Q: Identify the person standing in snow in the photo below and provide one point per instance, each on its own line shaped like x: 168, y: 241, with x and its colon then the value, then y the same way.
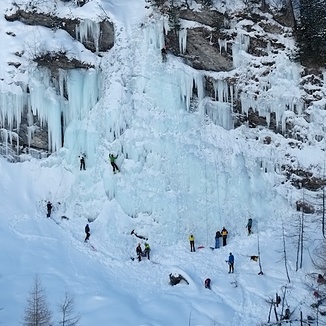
x: 249, y: 225
x: 164, y: 54
x: 88, y: 232
x: 217, y: 239
x: 49, y: 208
x: 82, y: 162
x: 147, y: 250
x: 113, y: 164
x: 139, y: 252
x: 192, y: 243
x: 224, y: 235
x: 230, y: 261
x: 208, y: 283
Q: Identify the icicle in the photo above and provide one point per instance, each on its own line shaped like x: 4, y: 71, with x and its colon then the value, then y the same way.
x: 222, y: 44
x: 240, y: 44
x: 219, y: 112
x: 183, y: 40
x: 231, y: 95
x: 198, y: 79
x: 88, y: 29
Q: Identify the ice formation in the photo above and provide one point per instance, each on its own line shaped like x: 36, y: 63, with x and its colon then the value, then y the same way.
x: 89, y: 30
x: 71, y: 96
x: 157, y: 118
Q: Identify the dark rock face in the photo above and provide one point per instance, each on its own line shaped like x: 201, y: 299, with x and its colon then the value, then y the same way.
x: 59, y: 60
x: 210, y: 18
x: 106, y: 40
x: 202, y: 50
x: 305, y: 207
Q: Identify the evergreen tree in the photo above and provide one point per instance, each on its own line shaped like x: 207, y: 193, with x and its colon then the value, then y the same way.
x: 37, y: 312
x: 311, y: 33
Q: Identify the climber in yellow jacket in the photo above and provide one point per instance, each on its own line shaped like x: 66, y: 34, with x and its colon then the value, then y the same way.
x: 192, y: 243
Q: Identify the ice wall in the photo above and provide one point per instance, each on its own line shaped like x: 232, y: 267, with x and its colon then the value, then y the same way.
x: 180, y: 172
x: 12, y: 101
x: 52, y: 103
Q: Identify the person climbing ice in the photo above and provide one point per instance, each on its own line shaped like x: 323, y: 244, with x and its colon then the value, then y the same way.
x: 113, y: 164
x: 249, y: 225
x: 88, y: 232
x: 82, y: 162
x: 208, y: 283
x: 49, y: 208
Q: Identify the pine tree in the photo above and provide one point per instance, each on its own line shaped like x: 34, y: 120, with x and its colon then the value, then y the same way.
x: 37, y: 312
x: 311, y: 33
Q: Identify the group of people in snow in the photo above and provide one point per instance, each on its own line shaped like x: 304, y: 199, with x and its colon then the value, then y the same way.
x: 223, y: 234
x: 112, y: 158
x: 146, y: 252
x: 143, y: 253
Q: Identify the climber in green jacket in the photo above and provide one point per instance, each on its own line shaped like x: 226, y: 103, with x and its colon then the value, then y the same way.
x: 147, y: 250
x: 113, y: 164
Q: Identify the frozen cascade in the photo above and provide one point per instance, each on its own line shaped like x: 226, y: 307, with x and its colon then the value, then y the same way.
x: 219, y: 112
x: 187, y: 163
x: 47, y: 100
x: 12, y: 102
x: 7, y: 138
x: 46, y: 105
x: 190, y: 79
x: 240, y: 45
x: 274, y: 96
x: 177, y: 167
x: 221, y: 90
x: 88, y: 29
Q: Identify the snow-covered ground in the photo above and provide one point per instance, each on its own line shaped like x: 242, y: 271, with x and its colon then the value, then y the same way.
x: 180, y: 174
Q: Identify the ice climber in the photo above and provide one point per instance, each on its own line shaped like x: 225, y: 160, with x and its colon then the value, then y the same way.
x: 164, y: 54
x: 192, y: 243
x: 147, y: 250
x: 137, y: 235
x: 88, y: 232
x: 249, y: 225
x: 230, y: 261
x: 217, y: 239
x: 82, y: 162
x: 208, y: 283
x: 224, y: 235
x: 139, y: 252
x: 49, y: 208
x: 113, y: 164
